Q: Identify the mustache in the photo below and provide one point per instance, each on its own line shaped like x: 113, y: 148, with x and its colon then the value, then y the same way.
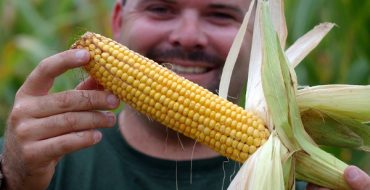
x: 179, y: 53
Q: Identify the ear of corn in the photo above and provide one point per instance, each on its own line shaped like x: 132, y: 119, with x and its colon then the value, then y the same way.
x: 173, y: 100
x: 179, y: 104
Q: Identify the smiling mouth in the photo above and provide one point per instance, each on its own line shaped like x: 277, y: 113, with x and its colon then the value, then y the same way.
x: 186, y: 69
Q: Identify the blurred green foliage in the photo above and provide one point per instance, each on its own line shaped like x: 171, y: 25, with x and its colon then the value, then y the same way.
x: 342, y: 57
x: 34, y: 29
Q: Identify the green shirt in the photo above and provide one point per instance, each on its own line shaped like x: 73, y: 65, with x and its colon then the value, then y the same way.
x: 113, y: 164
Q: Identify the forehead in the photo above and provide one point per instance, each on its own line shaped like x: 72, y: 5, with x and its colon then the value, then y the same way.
x: 241, y: 4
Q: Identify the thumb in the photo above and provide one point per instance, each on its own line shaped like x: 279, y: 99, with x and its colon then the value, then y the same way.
x: 356, y: 178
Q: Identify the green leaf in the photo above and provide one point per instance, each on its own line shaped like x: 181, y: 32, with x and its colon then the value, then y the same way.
x: 351, y: 101
x: 336, y: 131
x: 273, y: 83
x: 331, y: 129
x: 280, y: 95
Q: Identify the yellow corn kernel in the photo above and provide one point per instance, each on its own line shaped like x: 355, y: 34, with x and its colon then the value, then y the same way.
x: 173, y: 100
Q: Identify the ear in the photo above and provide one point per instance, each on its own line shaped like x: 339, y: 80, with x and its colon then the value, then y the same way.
x: 117, y: 20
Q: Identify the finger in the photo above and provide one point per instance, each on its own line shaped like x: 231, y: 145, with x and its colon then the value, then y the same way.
x: 42, y: 77
x: 71, y: 101
x: 89, y: 84
x: 56, y: 125
x: 56, y: 147
x: 356, y: 178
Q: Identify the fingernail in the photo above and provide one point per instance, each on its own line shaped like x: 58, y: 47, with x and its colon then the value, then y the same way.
x: 82, y: 55
x: 112, y: 100
x: 352, y: 174
x: 97, y: 136
x: 111, y: 117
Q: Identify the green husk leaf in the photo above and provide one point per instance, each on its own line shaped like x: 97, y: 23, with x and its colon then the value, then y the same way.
x: 264, y: 169
x: 348, y: 100
x: 337, y: 130
x: 280, y: 95
x: 358, y: 128
x: 274, y: 87
x: 288, y: 171
x: 320, y: 170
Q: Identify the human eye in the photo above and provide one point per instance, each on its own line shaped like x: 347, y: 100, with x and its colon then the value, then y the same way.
x: 220, y: 17
x: 160, y: 11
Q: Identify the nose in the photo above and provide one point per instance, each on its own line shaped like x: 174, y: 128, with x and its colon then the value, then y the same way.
x: 188, y: 33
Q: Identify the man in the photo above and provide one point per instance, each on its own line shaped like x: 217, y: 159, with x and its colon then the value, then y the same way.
x: 47, y: 129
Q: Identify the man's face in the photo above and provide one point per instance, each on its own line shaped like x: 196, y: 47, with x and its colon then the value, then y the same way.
x: 194, y: 36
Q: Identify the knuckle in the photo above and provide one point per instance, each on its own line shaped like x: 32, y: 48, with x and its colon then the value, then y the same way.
x: 16, y: 114
x: 13, y: 119
x: 22, y: 131
x: 90, y: 138
x: 63, y: 147
x: 97, y: 120
x: 64, y: 100
x: 18, y: 108
x: 19, y: 93
x: 90, y: 99
x: 86, y: 138
x: 59, y: 57
x: 70, y: 120
x: 43, y: 66
x: 79, y: 140
x: 87, y: 99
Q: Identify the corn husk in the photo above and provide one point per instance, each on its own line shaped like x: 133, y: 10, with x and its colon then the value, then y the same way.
x: 336, y: 130
x: 268, y: 161
x: 347, y: 100
x: 305, y: 44
x: 233, y: 54
x: 336, y: 115
x: 289, y: 113
x: 280, y: 95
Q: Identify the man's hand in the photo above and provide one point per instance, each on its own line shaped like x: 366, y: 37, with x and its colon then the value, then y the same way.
x: 42, y: 127
x: 356, y: 179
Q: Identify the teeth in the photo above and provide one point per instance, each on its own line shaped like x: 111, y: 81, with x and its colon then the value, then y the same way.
x: 185, y: 70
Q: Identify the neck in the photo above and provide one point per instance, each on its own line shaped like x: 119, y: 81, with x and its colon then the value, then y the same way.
x: 156, y: 140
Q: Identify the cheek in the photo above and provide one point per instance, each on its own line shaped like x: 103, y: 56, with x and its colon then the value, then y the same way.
x: 222, y: 39
x: 136, y: 37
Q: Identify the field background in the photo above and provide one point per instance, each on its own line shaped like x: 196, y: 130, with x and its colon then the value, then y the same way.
x: 34, y: 29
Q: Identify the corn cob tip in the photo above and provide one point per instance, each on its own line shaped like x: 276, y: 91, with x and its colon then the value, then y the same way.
x: 82, y: 39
